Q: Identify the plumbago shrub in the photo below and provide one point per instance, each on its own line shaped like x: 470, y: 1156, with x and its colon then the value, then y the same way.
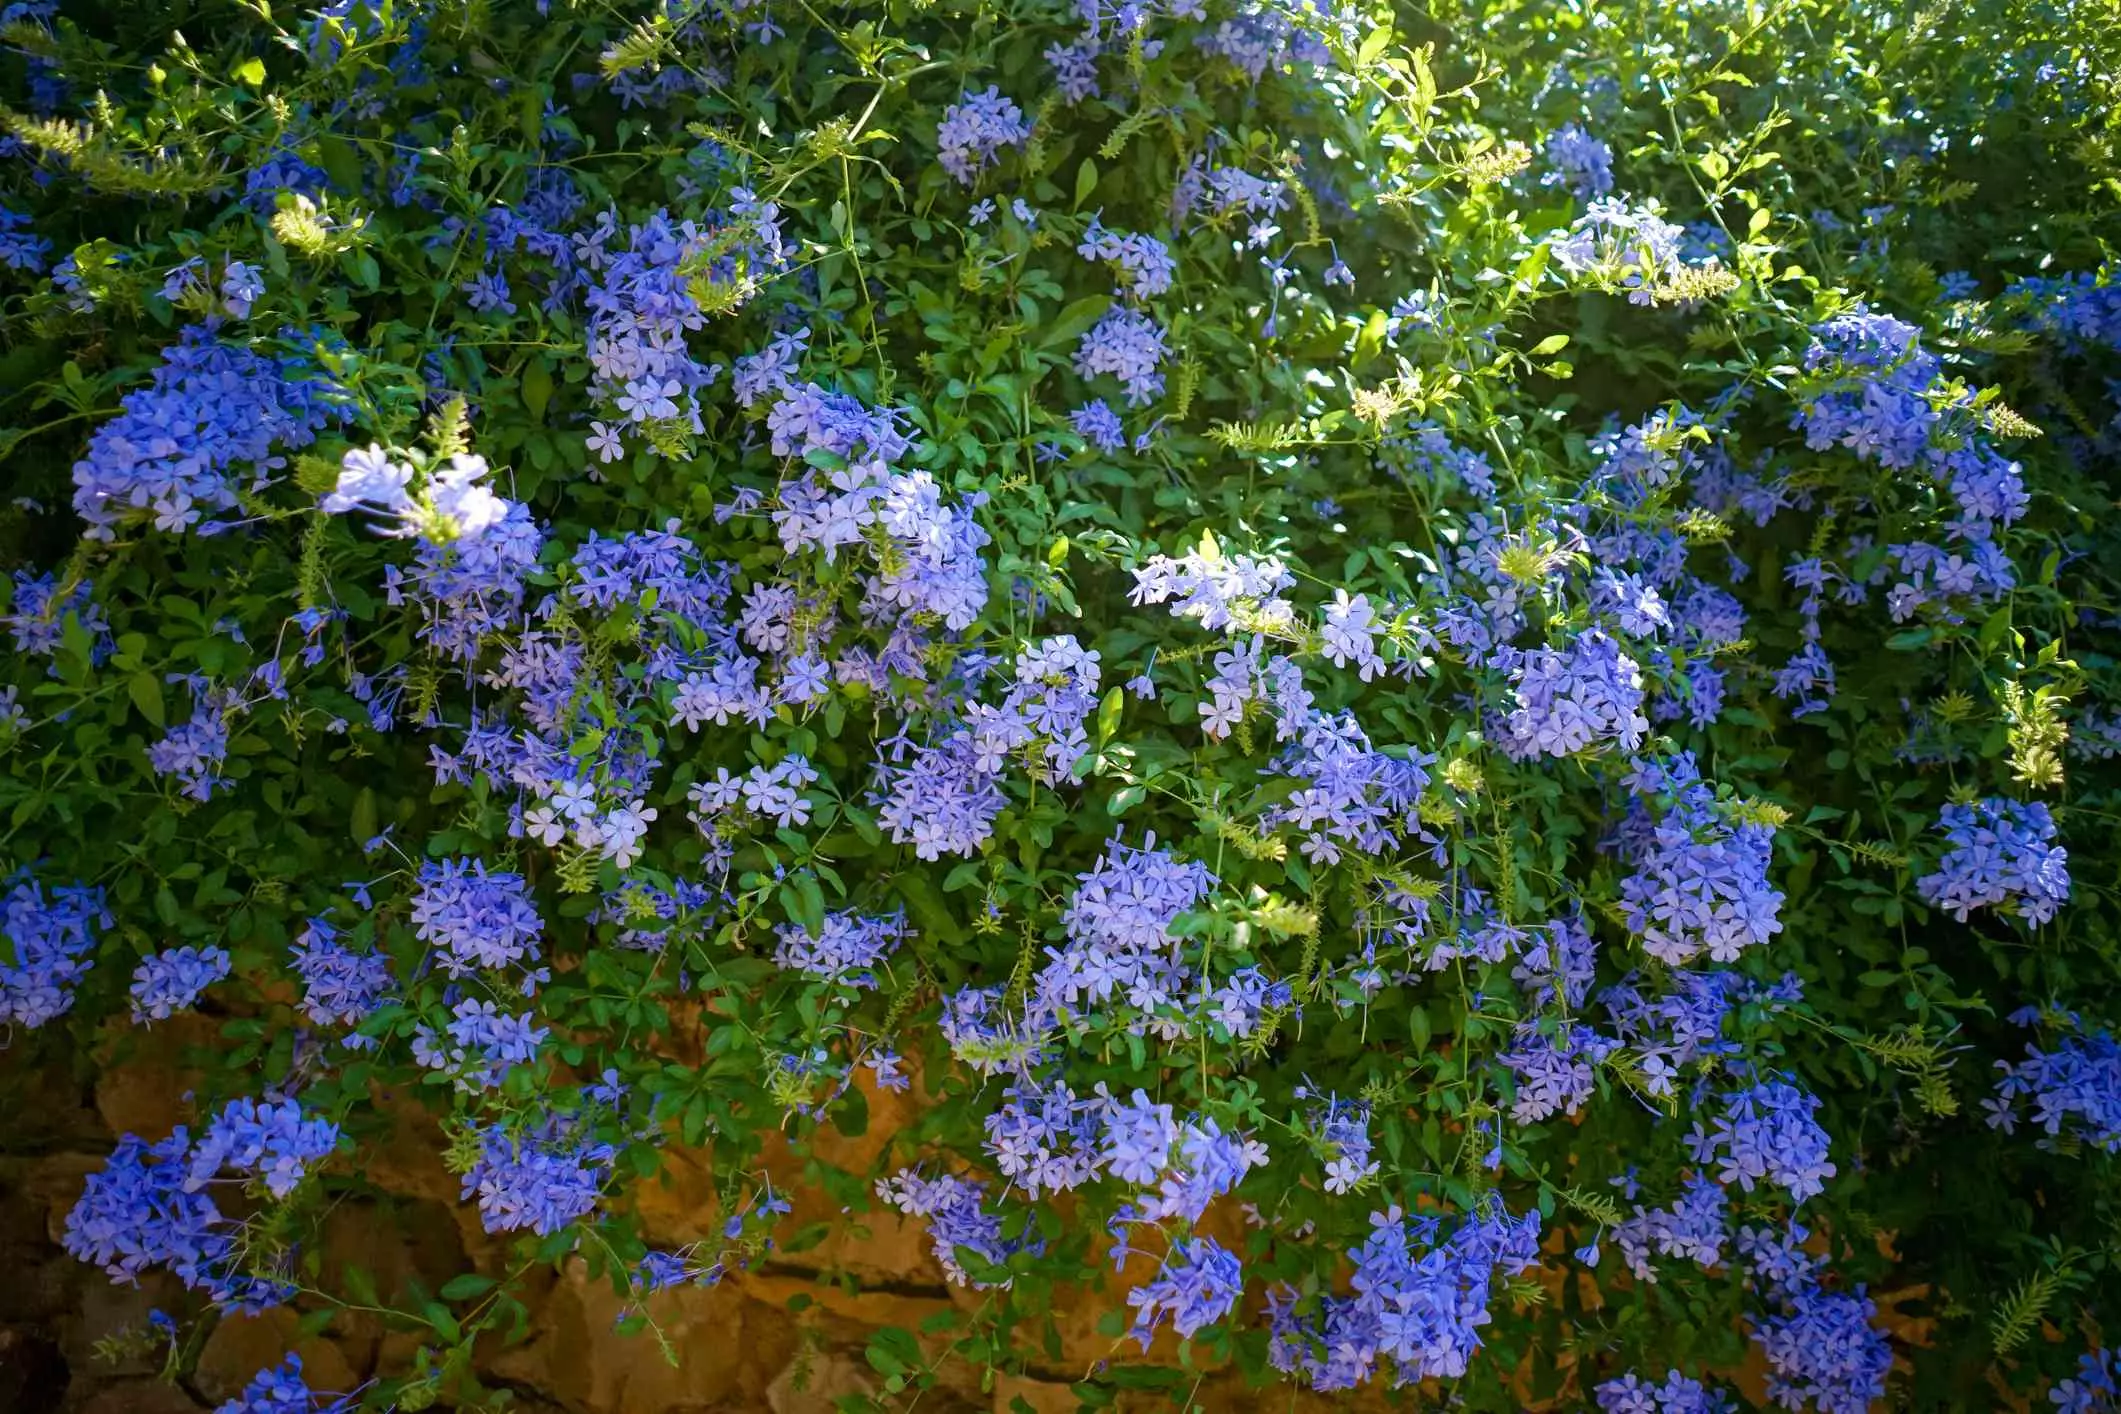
x: 1440, y: 680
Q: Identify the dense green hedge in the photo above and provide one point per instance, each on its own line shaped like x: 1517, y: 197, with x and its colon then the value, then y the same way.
x: 1411, y: 651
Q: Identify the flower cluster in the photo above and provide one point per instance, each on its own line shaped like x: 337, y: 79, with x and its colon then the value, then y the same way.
x: 843, y: 951
x: 1118, y: 926
x: 340, y: 987
x: 52, y: 939
x: 1419, y: 1301
x: 172, y: 454
x: 645, y: 299
x: 1198, y: 1285
x: 37, y: 616
x: 273, y: 1142
x: 975, y: 129
x: 1766, y: 1131
x: 281, y: 1389
x: 451, y: 503
x: 1220, y: 591
x: 1819, y: 1344
x: 1694, y: 1228
x: 720, y: 806
x: 956, y: 1219
x: 1142, y: 263
x: 20, y: 249
x: 1264, y: 38
x: 148, y: 1206
x: 2000, y: 855
x: 170, y: 981
x: 1626, y: 247
x: 2094, y: 1389
x: 945, y: 798
x: 539, y: 1182
x: 1343, y: 1130
x: 929, y: 561
x: 1555, y: 1073
x: 479, y: 1044
x: 475, y: 919
x: 1129, y: 345
x: 1578, y: 161
x: 1701, y: 878
x: 1045, y: 1138
x: 195, y: 751
x: 1678, y: 1394
x: 1571, y: 700
x: 2075, y: 1086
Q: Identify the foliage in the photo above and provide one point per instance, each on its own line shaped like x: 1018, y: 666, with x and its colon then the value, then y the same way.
x: 1442, y: 679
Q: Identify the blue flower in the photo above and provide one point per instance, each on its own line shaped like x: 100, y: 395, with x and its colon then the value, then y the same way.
x: 53, y: 939
x: 1097, y: 424
x: 2000, y: 855
x: 170, y: 455
x: 2074, y: 1087
x: 844, y: 951
x: 1578, y: 161
x: 2095, y: 1389
x: 1198, y: 1284
x: 540, y: 1182
x: 1766, y: 1131
x: 956, y: 1218
x: 274, y: 1142
x: 1571, y: 700
x: 975, y: 129
x: 1129, y: 345
x: 1700, y: 881
x: 169, y: 982
x: 477, y: 919
x: 280, y: 1390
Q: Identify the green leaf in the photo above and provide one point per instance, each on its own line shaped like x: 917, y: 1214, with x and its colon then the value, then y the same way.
x: 1074, y: 321
x: 1085, y: 182
x: 809, y: 909
x: 445, y: 1325
x: 362, y: 818
x: 892, y: 1351
x: 145, y: 689
x: 537, y: 388
x: 1108, y: 714
x: 927, y: 908
x: 251, y: 73
x: 1534, y: 264
x: 1551, y: 344
x: 851, y: 1115
x: 466, y: 1285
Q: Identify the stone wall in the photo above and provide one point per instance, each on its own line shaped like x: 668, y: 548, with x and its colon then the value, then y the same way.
x: 787, y: 1336
x: 740, y: 1346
